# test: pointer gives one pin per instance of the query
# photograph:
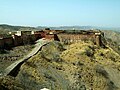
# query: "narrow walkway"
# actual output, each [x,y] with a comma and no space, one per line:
[38,46]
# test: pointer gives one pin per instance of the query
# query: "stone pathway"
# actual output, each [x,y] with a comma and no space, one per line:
[38,46]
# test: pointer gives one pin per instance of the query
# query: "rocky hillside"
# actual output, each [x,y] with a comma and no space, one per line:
[113,35]
[79,66]
[113,39]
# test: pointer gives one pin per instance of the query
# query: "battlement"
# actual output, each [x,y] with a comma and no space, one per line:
[72,36]
[65,36]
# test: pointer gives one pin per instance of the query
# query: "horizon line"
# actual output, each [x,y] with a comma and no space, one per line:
[59,26]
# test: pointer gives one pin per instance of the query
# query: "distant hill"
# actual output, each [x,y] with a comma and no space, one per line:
[80,28]
[68,27]
[6,28]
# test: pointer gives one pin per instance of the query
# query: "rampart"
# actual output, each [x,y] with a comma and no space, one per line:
[65,36]
[71,37]
[19,38]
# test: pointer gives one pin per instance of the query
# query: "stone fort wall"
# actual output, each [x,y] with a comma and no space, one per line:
[71,38]
[59,35]
[15,40]
[6,42]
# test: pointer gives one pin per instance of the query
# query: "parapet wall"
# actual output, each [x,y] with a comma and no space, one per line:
[14,40]
[65,36]
[71,38]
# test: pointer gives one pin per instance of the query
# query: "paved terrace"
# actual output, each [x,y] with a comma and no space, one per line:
[13,67]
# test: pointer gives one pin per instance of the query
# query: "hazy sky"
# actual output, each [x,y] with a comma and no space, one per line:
[60,12]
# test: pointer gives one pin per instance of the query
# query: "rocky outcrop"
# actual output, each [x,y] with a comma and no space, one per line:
[112,76]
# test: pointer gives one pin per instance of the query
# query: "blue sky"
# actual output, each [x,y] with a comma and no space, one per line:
[105,13]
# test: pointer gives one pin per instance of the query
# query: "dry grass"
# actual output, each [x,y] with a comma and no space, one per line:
[75,70]
[10,56]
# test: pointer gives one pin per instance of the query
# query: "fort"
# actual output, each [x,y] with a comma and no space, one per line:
[65,36]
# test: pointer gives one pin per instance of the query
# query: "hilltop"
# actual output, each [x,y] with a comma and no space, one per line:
[68,66]
[112,33]
[78,66]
